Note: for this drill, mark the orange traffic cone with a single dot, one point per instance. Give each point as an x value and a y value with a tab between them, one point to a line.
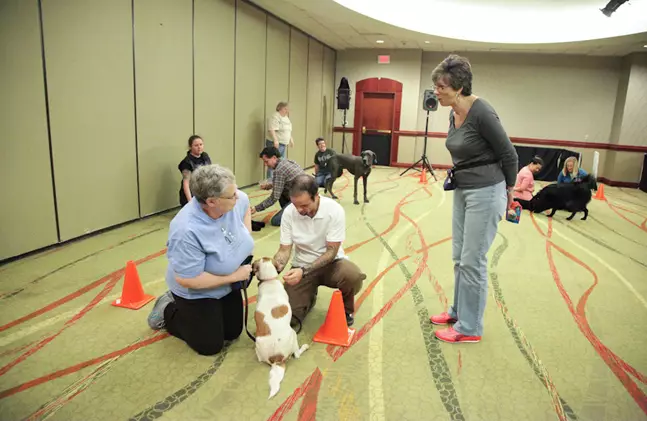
132	294
335	331
600	193
423	176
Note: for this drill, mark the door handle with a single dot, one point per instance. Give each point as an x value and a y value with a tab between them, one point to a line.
363	129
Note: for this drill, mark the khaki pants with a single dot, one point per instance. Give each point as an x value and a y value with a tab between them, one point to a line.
341	274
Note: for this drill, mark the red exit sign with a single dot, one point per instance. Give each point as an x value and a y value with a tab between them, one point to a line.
384	59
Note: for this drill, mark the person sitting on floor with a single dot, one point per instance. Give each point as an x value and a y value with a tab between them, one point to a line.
571	171
283	172
525	185
195	158
322	157
316	226
208	241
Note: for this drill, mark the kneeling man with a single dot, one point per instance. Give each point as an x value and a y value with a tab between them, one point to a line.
316	226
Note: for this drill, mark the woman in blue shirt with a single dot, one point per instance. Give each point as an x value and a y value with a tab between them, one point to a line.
208	241
571	171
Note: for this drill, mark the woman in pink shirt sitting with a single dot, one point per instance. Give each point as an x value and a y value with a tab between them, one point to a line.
525	185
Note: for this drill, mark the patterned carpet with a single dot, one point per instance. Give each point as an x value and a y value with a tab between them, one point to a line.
564	326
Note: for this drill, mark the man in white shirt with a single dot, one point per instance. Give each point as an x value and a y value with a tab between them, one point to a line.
316	226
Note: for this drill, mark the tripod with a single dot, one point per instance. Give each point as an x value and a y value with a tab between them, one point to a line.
343	133
423	160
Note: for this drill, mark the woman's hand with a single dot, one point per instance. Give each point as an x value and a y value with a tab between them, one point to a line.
291	143
510	198
242	273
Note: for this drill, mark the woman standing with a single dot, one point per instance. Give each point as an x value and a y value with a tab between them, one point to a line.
195	157
485	169
279	131
571	171
208	242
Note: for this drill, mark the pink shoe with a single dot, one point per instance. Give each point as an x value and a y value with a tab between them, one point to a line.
451	336
442	319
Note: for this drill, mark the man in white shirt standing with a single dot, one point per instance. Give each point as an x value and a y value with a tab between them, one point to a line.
316	226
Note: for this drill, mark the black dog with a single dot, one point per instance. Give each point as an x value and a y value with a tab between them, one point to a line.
571	197
359	166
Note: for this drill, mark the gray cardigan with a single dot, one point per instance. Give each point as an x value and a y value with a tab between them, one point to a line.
481	138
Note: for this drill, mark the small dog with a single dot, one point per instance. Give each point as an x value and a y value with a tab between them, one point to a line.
572	197
276	341
359	166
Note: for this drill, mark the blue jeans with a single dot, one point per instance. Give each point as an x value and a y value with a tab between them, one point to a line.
281	150
322	177
475	219
276	219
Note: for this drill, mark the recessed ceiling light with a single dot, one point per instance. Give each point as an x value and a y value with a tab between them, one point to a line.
379	41
426	42
645	46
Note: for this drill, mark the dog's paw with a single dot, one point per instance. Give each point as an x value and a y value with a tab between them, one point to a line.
366	200
355	202
334	197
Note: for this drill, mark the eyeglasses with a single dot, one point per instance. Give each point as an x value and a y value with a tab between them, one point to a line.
235	196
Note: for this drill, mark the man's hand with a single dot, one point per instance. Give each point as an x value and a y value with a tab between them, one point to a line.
252	210
293	276
276	144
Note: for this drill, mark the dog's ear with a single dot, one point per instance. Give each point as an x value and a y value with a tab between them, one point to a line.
255	266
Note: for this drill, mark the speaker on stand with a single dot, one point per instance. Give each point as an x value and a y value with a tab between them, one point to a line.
343	103
429	103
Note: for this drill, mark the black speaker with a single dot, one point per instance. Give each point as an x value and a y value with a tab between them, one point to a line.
343	95
429	101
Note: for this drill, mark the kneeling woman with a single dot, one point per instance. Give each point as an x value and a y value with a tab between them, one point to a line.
209	239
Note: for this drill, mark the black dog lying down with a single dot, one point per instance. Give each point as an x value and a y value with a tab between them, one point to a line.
571	197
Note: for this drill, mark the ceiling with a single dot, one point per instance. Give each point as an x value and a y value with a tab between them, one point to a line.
342	28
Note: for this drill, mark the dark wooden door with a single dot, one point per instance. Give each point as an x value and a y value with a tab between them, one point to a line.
377	125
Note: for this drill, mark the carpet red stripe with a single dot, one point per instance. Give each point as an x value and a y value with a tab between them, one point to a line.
80	366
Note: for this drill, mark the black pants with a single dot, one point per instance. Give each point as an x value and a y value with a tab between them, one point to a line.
206	323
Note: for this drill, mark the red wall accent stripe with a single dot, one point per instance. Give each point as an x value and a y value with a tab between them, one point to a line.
523	140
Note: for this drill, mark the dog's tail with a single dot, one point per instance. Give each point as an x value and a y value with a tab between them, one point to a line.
277	372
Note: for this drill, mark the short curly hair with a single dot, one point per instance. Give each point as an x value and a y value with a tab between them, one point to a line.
210	181
456	71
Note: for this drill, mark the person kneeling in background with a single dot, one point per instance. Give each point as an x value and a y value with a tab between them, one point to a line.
525	185
208	241
322	162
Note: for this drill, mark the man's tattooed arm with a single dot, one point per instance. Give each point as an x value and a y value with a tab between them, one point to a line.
282	256
327	257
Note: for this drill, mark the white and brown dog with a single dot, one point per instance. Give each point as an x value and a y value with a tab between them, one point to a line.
276	341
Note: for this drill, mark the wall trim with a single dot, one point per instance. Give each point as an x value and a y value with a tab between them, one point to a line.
521	140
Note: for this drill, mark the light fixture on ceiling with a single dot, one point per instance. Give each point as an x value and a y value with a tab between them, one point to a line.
426	42
612	6
379	41
645	46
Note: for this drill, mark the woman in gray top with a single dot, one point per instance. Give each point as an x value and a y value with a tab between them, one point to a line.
483	176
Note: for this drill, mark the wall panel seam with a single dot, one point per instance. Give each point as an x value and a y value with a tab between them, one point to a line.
193	57
139	198
233	169
47	117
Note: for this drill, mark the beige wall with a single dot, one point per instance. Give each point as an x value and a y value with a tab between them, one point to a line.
123	102
571	98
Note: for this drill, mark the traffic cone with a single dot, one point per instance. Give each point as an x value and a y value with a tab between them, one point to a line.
423	176
132	294
335	331
599	195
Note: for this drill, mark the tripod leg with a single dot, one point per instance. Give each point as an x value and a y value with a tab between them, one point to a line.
430	168
412	167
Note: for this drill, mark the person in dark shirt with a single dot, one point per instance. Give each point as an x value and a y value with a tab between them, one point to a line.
195	158
485	172
322	162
